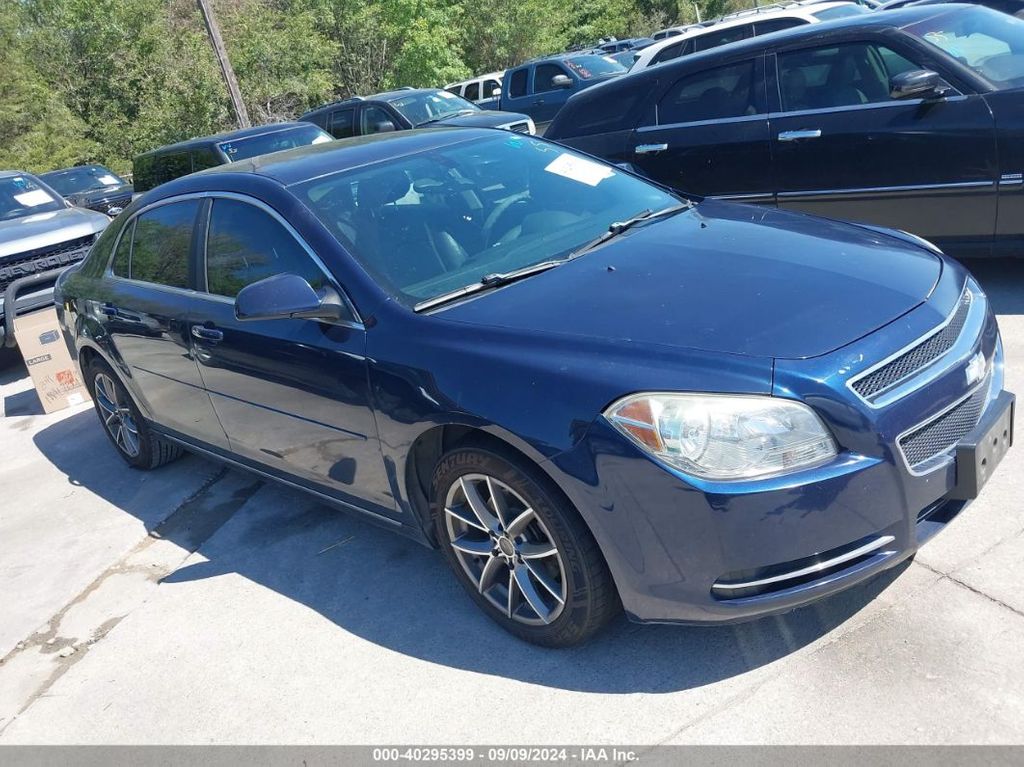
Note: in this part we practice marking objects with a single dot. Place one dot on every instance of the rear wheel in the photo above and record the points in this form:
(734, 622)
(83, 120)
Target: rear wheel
(519, 549)
(128, 431)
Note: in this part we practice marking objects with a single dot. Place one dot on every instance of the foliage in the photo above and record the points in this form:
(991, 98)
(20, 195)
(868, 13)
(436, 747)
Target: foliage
(103, 80)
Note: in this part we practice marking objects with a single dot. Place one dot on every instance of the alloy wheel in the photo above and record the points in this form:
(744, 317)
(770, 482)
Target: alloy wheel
(117, 415)
(506, 550)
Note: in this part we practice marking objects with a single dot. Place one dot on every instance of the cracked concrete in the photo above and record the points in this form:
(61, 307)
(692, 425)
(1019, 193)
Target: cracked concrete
(197, 605)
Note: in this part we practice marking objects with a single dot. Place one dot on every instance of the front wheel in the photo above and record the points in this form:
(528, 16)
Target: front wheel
(520, 550)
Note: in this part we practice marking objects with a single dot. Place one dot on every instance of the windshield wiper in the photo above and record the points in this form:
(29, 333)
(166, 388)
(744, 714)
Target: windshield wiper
(489, 282)
(618, 227)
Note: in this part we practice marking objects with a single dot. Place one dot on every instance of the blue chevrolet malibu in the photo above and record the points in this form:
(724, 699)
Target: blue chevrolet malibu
(591, 393)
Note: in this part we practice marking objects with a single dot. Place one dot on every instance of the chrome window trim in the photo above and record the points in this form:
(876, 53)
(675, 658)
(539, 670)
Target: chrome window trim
(942, 457)
(108, 273)
(962, 349)
(702, 123)
(877, 189)
(870, 105)
(867, 548)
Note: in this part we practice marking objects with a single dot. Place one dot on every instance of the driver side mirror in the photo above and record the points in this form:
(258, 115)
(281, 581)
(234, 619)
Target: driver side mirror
(495, 93)
(917, 83)
(561, 81)
(384, 126)
(288, 296)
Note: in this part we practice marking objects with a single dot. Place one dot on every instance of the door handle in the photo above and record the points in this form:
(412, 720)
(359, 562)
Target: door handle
(650, 148)
(108, 309)
(207, 334)
(797, 135)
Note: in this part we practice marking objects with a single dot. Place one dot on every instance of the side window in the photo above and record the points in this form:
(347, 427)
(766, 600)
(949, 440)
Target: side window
(517, 83)
(776, 25)
(673, 51)
(473, 91)
(205, 158)
(716, 94)
(373, 118)
(171, 166)
(490, 87)
(543, 76)
(723, 36)
(161, 244)
(838, 76)
(122, 257)
(245, 245)
(342, 123)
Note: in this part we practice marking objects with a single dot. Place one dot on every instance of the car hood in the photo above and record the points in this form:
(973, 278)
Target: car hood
(94, 196)
(483, 119)
(31, 232)
(723, 278)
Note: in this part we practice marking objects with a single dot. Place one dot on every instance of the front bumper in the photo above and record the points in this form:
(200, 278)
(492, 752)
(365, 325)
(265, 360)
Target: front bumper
(687, 551)
(22, 296)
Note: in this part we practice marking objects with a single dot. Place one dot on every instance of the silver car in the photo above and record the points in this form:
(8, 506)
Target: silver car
(40, 236)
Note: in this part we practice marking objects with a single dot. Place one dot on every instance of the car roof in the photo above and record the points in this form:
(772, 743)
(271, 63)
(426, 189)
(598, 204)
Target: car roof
(295, 166)
(216, 138)
(12, 173)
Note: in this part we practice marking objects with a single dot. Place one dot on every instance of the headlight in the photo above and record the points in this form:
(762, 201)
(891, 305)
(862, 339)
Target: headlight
(724, 436)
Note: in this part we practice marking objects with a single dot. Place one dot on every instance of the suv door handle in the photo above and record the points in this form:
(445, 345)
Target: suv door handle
(650, 148)
(207, 334)
(108, 309)
(797, 135)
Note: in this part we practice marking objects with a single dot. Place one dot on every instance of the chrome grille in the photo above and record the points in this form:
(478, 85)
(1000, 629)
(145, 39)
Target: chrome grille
(43, 259)
(523, 127)
(920, 356)
(939, 435)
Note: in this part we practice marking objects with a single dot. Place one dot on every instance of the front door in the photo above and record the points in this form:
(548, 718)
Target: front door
(145, 314)
(844, 148)
(291, 394)
(548, 98)
(707, 133)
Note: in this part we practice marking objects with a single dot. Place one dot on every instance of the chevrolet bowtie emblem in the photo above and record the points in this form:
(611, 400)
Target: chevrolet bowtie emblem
(975, 369)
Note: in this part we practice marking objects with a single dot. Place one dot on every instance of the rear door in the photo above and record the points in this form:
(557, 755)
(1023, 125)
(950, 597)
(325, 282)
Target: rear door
(292, 395)
(515, 92)
(707, 132)
(145, 314)
(341, 123)
(844, 148)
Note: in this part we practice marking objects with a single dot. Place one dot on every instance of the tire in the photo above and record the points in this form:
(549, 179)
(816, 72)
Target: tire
(127, 430)
(571, 592)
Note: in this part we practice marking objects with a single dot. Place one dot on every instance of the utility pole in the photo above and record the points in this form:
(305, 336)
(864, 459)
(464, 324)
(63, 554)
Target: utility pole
(212, 28)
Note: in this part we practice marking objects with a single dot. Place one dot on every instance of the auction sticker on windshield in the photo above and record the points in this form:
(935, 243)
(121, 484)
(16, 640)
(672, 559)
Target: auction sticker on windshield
(579, 169)
(33, 198)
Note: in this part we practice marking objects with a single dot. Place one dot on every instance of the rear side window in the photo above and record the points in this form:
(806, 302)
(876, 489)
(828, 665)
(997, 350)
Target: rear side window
(517, 84)
(161, 244)
(776, 25)
(723, 36)
(245, 245)
(342, 123)
(673, 51)
(122, 256)
(716, 94)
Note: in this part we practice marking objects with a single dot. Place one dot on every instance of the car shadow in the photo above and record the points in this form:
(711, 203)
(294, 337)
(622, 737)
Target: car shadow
(1002, 279)
(397, 594)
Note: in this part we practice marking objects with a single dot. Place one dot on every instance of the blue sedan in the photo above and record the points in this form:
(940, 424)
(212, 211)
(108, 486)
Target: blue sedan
(590, 392)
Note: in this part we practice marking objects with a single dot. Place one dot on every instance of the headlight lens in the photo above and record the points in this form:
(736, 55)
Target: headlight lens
(723, 436)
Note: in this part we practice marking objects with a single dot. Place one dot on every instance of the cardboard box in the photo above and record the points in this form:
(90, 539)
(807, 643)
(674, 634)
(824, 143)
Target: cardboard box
(54, 374)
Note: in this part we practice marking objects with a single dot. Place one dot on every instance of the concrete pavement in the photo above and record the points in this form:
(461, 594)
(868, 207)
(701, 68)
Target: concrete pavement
(199, 605)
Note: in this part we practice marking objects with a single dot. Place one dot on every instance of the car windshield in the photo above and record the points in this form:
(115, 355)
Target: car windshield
(288, 138)
(422, 107)
(24, 195)
(586, 67)
(84, 179)
(989, 42)
(426, 224)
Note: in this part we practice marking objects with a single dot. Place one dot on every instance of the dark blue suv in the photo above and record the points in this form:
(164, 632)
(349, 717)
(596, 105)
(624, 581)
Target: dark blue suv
(540, 87)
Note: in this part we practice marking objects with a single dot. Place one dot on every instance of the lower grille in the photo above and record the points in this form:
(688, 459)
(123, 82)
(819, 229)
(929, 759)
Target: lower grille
(43, 259)
(939, 435)
(107, 205)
